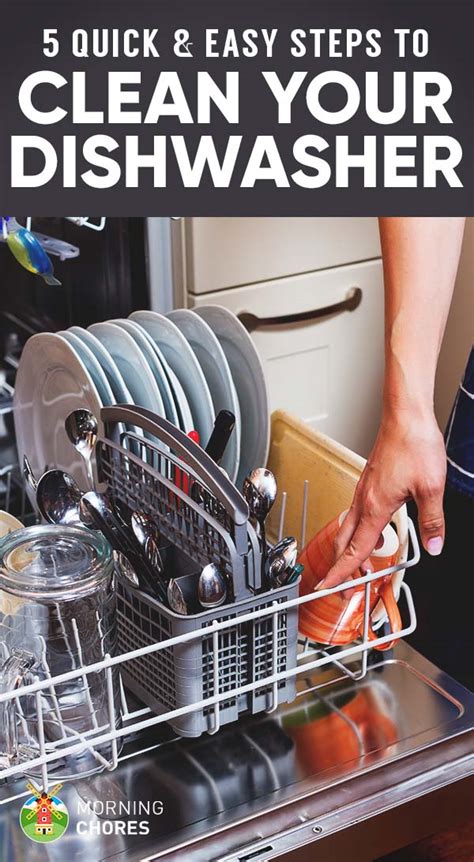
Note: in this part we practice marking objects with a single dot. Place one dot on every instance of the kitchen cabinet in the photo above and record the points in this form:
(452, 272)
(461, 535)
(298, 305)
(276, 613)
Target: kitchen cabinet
(311, 293)
(320, 336)
(218, 253)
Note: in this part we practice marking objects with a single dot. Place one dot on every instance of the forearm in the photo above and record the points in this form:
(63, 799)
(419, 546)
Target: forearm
(420, 257)
(408, 460)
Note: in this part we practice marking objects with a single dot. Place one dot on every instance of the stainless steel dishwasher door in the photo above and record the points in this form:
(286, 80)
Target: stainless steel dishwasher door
(336, 760)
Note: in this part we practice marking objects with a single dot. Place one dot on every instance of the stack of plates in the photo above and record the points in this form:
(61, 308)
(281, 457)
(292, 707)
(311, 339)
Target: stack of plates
(185, 367)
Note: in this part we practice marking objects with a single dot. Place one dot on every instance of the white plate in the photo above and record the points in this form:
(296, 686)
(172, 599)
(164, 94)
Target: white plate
(213, 362)
(182, 360)
(150, 353)
(184, 411)
(132, 366)
(109, 367)
(135, 371)
(93, 366)
(249, 379)
(51, 381)
(185, 419)
(97, 373)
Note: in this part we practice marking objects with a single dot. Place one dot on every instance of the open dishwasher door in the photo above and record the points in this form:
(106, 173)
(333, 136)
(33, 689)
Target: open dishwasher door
(355, 771)
(351, 769)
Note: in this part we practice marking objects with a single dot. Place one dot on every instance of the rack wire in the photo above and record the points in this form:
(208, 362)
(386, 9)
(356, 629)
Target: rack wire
(309, 659)
(119, 720)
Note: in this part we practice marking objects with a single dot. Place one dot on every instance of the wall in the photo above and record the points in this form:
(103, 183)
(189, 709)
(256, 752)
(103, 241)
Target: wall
(459, 335)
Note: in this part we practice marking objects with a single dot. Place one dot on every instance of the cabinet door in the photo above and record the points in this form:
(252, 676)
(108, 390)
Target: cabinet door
(327, 367)
(225, 252)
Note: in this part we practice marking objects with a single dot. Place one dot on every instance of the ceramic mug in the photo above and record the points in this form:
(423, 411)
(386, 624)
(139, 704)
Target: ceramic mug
(336, 619)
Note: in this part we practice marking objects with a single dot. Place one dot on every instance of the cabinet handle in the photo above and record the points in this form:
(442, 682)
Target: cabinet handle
(351, 301)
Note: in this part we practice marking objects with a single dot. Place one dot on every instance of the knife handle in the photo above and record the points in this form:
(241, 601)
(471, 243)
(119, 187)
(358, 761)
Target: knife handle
(223, 426)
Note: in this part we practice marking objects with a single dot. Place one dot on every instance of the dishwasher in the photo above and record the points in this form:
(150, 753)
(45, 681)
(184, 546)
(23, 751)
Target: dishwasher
(372, 752)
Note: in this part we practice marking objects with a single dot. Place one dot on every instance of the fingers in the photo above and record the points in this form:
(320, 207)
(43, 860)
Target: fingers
(359, 548)
(346, 531)
(365, 568)
(431, 519)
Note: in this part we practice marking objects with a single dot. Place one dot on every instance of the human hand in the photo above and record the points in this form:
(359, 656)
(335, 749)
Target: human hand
(408, 461)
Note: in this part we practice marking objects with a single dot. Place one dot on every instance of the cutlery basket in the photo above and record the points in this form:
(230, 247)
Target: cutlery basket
(195, 670)
(201, 513)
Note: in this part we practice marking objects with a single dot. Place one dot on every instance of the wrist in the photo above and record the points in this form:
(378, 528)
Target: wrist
(407, 403)
(406, 406)
(408, 390)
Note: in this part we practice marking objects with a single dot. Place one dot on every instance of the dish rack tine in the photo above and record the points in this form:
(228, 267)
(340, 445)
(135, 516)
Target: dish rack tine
(304, 513)
(281, 524)
(52, 690)
(215, 659)
(365, 637)
(41, 739)
(84, 678)
(111, 710)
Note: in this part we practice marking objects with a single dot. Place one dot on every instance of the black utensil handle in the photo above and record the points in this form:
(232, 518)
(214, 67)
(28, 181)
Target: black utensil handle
(223, 427)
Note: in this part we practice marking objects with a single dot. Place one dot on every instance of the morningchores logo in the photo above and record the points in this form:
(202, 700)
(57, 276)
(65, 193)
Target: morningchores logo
(110, 817)
(44, 817)
(205, 109)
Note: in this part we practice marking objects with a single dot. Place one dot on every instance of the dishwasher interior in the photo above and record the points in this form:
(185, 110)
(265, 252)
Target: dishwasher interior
(367, 733)
(253, 787)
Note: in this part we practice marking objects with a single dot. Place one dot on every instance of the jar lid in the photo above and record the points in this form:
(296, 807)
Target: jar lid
(53, 562)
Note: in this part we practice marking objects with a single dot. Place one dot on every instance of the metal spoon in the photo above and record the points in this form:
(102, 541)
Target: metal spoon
(180, 599)
(28, 474)
(260, 490)
(82, 430)
(146, 533)
(125, 568)
(97, 508)
(59, 498)
(212, 590)
(281, 558)
(287, 549)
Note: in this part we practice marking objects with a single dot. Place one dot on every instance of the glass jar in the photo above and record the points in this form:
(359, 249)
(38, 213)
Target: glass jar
(57, 614)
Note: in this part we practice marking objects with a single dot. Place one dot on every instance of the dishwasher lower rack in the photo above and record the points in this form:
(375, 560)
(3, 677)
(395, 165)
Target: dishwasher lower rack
(211, 639)
(198, 672)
